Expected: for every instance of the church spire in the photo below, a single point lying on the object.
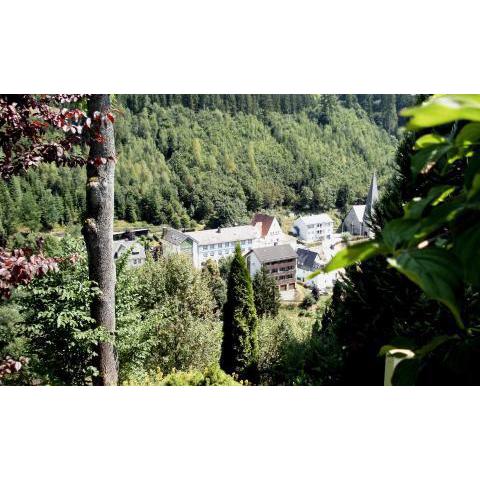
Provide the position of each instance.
(372, 196)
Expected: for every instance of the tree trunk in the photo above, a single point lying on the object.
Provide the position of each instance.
(98, 233)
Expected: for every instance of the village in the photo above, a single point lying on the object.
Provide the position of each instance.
(289, 257)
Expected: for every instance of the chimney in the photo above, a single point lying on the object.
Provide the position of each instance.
(219, 230)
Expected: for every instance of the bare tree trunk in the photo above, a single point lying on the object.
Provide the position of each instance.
(98, 233)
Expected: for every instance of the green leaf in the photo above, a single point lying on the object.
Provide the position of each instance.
(435, 196)
(399, 232)
(352, 254)
(471, 171)
(467, 248)
(406, 372)
(441, 109)
(436, 272)
(430, 139)
(426, 158)
(468, 135)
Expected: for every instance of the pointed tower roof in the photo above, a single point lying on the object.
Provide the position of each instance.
(372, 196)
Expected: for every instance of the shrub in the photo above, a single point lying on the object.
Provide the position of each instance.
(210, 376)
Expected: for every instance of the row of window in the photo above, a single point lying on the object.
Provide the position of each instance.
(283, 269)
(214, 246)
(221, 252)
(318, 225)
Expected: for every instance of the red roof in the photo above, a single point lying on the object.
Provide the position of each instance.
(265, 220)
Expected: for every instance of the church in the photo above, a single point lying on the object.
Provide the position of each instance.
(357, 220)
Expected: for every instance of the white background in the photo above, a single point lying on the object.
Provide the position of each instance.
(210, 46)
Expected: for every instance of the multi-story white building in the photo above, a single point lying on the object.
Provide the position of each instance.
(314, 228)
(220, 243)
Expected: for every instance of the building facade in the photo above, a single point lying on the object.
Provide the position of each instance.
(314, 228)
(279, 260)
(137, 255)
(220, 243)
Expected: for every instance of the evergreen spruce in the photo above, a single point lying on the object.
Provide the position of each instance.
(239, 346)
(266, 293)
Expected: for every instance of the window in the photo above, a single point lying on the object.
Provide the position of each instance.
(211, 254)
(205, 254)
(205, 247)
(212, 246)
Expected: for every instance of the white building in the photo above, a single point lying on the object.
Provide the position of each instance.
(220, 243)
(314, 228)
(270, 231)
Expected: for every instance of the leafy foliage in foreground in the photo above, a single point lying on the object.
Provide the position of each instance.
(61, 336)
(435, 241)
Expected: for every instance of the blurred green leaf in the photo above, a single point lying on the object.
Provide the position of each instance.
(436, 271)
(399, 232)
(430, 139)
(406, 372)
(468, 135)
(426, 158)
(352, 254)
(435, 196)
(441, 109)
(467, 248)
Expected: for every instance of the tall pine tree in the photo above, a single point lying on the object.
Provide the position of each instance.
(266, 293)
(240, 343)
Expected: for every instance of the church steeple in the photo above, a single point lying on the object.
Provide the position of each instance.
(372, 196)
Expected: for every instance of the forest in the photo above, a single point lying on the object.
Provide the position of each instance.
(189, 160)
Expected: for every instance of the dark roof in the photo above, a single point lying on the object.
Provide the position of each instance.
(275, 253)
(265, 220)
(175, 237)
(306, 258)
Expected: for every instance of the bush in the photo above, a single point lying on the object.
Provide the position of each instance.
(211, 376)
(170, 321)
(308, 301)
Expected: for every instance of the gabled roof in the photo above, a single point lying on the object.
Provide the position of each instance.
(359, 211)
(175, 237)
(227, 234)
(306, 258)
(274, 254)
(314, 219)
(265, 220)
(120, 245)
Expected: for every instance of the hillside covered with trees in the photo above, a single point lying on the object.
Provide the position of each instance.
(214, 159)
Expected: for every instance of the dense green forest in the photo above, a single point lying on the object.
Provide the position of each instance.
(214, 159)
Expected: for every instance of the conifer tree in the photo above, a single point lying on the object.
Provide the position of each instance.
(266, 293)
(239, 345)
